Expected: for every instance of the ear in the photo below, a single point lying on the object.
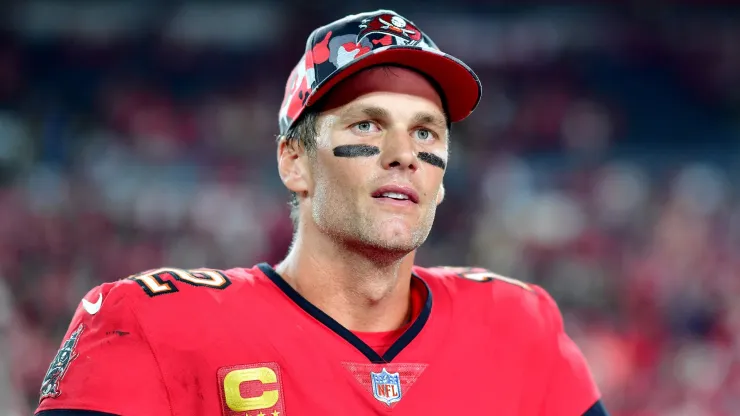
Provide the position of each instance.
(292, 165)
(441, 193)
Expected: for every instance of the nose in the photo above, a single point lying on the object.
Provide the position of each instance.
(399, 152)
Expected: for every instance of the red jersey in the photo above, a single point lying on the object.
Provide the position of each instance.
(244, 342)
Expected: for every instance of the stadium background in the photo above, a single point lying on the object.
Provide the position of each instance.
(602, 164)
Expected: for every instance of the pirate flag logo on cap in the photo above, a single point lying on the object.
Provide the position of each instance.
(403, 31)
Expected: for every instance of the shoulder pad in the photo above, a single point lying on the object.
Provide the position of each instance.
(477, 274)
(167, 280)
(507, 302)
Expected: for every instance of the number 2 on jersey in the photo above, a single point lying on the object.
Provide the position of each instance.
(158, 282)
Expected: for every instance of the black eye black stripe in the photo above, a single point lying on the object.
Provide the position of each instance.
(432, 159)
(366, 150)
(356, 150)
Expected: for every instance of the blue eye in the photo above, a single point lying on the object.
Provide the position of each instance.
(423, 134)
(365, 127)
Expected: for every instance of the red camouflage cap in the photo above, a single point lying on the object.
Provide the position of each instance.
(356, 42)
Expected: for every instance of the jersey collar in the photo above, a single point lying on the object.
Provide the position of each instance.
(405, 339)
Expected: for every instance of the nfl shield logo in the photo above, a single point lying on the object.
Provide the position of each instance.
(386, 386)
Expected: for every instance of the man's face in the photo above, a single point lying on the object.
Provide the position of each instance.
(372, 180)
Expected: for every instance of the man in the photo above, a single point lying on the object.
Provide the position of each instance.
(346, 324)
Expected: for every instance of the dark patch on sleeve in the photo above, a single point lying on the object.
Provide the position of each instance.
(597, 409)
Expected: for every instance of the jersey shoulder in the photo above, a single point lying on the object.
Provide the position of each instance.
(480, 289)
(169, 287)
(471, 275)
(466, 282)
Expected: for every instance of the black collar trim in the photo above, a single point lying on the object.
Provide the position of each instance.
(413, 330)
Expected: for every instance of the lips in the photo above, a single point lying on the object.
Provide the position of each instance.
(396, 192)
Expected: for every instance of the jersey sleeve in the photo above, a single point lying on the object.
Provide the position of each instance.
(104, 363)
(570, 387)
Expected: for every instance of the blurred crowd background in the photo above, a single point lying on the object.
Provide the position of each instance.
(602, 164)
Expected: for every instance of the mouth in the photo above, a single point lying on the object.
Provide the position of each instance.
(396, 193)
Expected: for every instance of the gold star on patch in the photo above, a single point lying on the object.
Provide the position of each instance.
(260, 414)
(276, 413)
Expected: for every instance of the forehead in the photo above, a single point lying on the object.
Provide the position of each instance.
(377, 80)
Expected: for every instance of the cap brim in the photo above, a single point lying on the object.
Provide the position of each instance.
(459, 84)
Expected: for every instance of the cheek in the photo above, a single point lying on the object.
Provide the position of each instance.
(435, 178)
(338, 179)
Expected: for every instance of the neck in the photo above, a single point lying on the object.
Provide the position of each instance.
(363, 290)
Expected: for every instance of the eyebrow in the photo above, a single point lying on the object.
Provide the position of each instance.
(371, 112)
(430, 119)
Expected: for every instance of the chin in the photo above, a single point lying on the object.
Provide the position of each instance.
(395, 237)
(398, 235)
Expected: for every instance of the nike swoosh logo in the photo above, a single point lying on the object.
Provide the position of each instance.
(92, 308)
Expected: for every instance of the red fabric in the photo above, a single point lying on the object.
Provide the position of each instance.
(113, 369)
(462, 91)
(210, 343)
